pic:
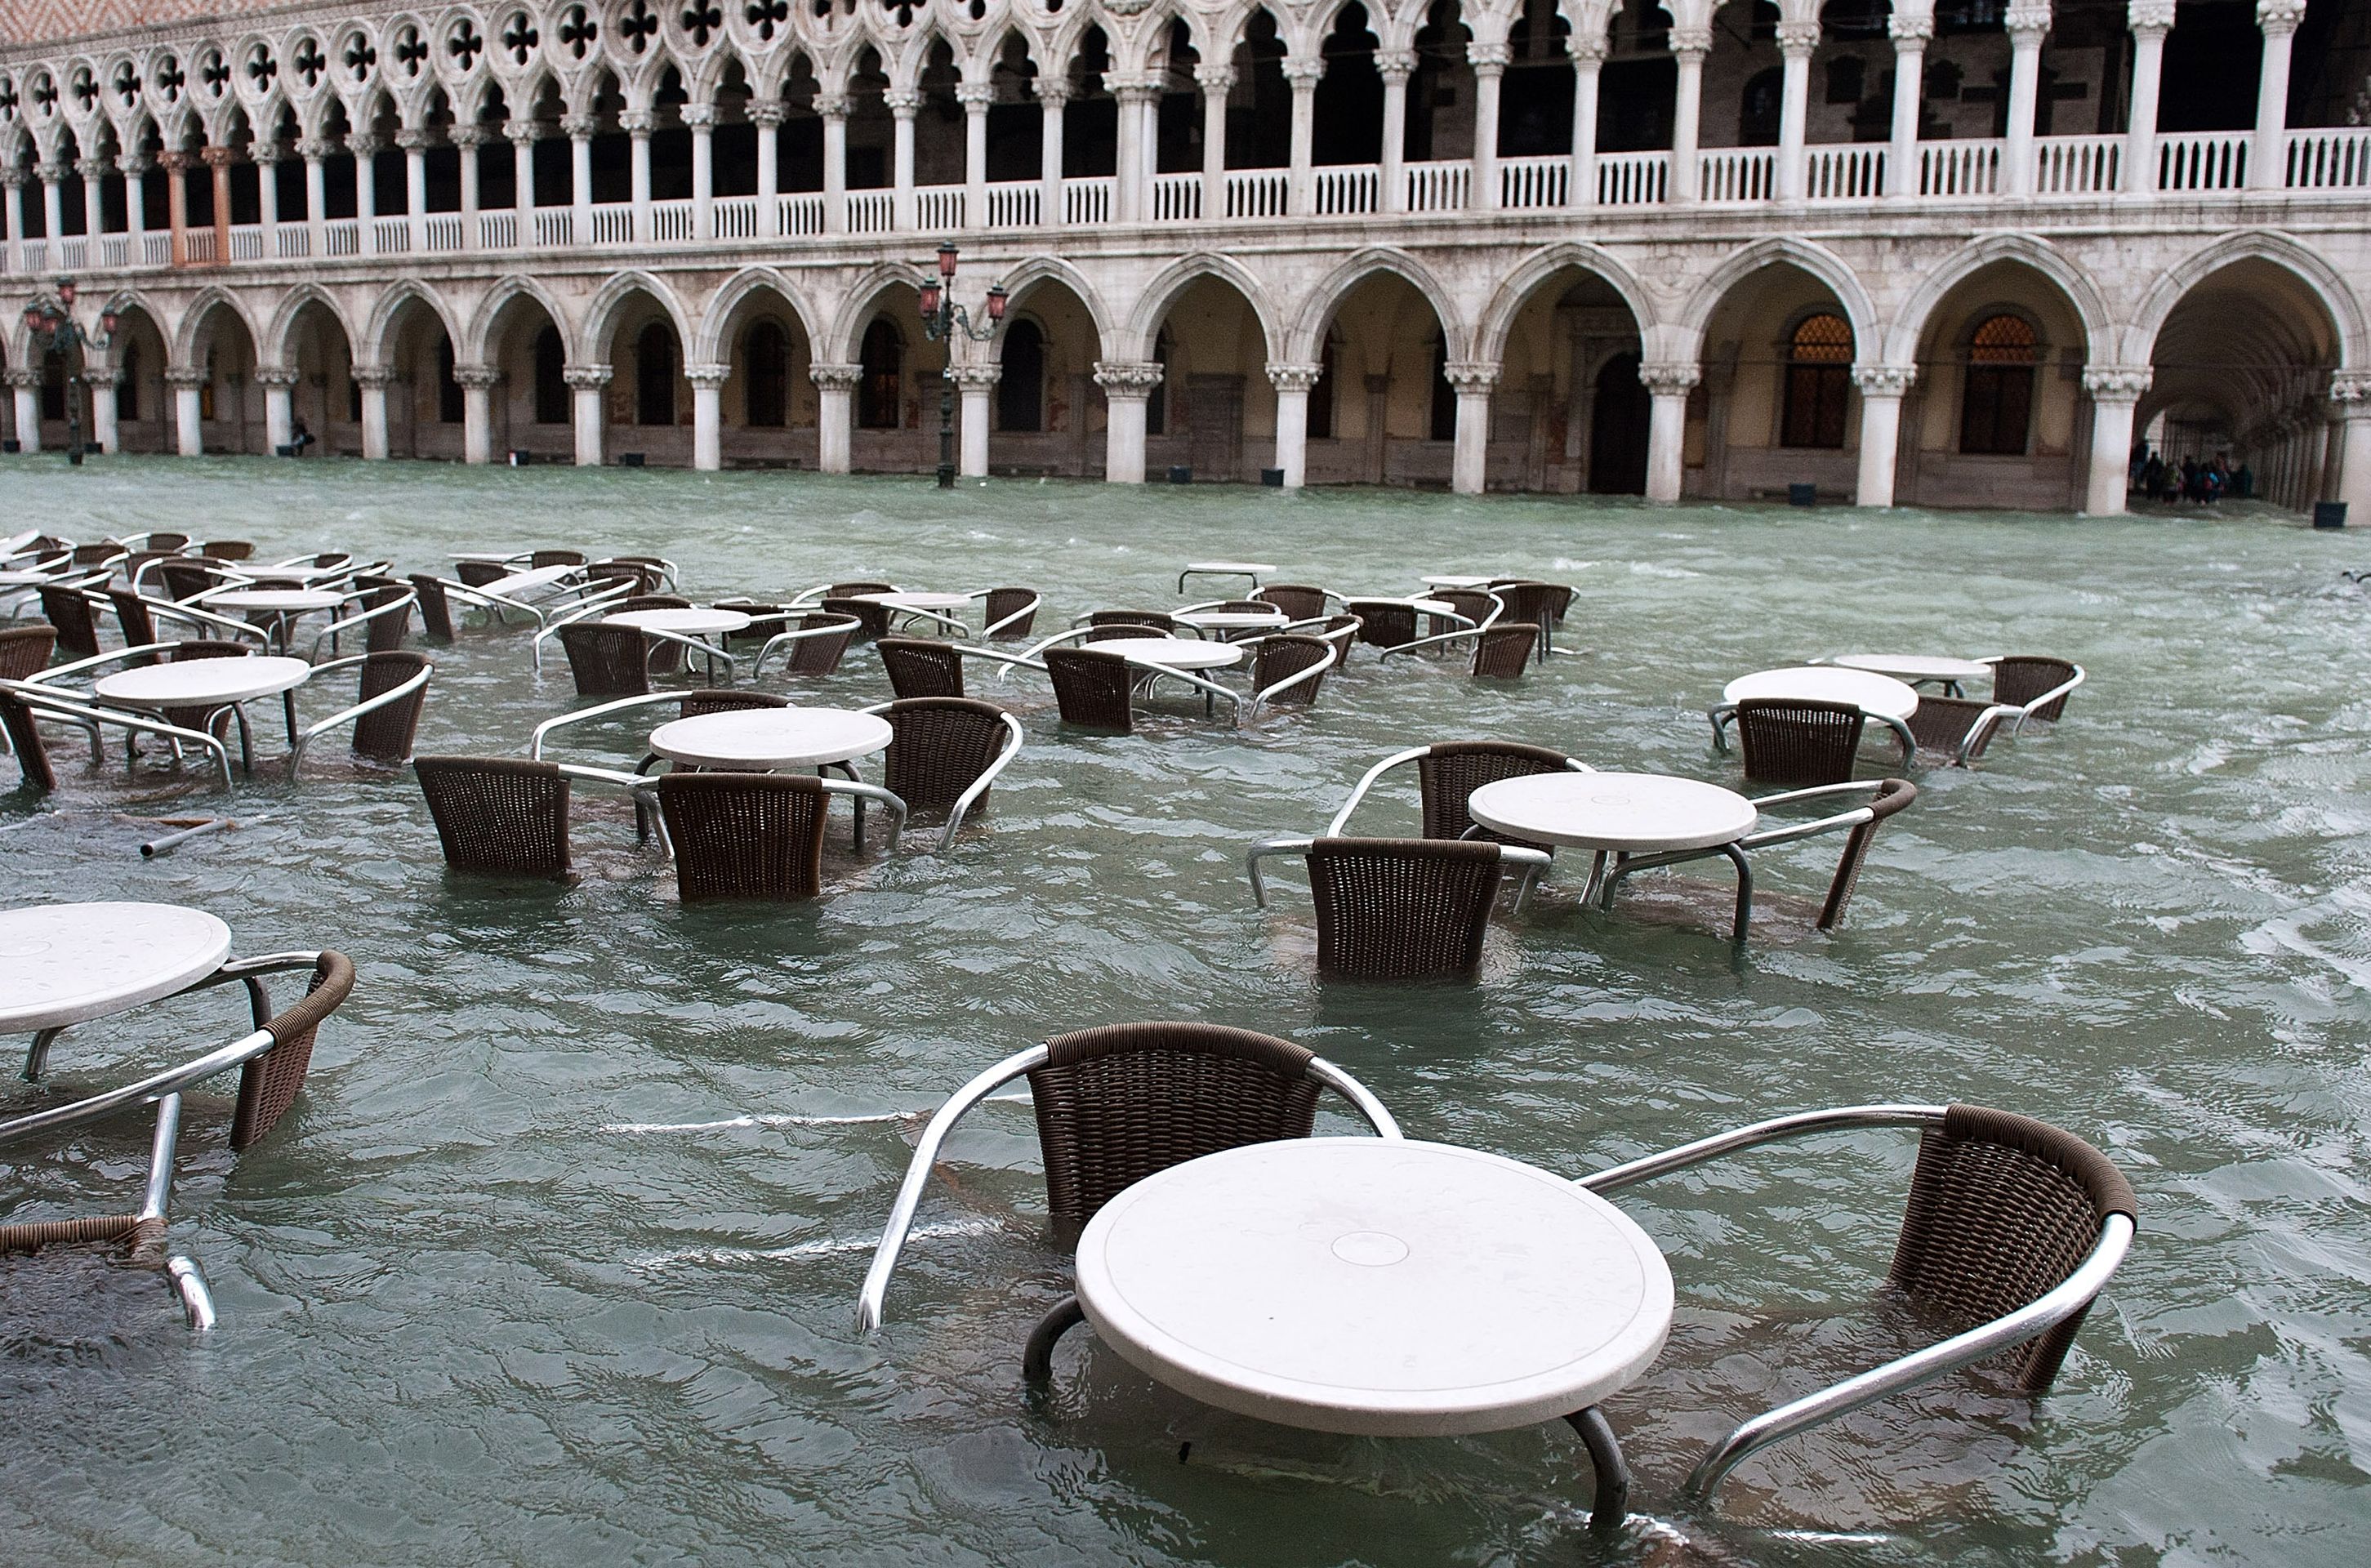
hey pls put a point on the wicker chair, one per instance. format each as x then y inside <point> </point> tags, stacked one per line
<point>1858,824</point>
<point>271,1060</point>
<point>816,645</point>
<point>503,815</point>
<point>1384,624</point>
<point>1120,632</point>
<point>35,772</point>
<point>870,617</point>
<point>1289,667</point>
<point>1502,652</point>
<point>922,667</point>
<point>25,651</point>
<point>72,610</point>
<point>227,549</point>
<point>1116,1104</point>
<point>25,705</point>
<point>1798,741</point>
<point>134,617</point>
<point>2012,1229</point>
<point>539,559</point>
<point>2024,688</point>
<point>1956,729</point>
<point>477,574</point>
<point>435,609</point>
<point>186,579</point>
<point>1092,689</point>
<point>649,602</point>
<point>608,660</point>
<point>2038,684</point>
<point>1160,622</point>
<point>386,711</point>
<point>1299,601</point>
<point>722,700</point>
<point>1400,909</point>
<point>1008,614</point>
<point>944,752</point>
<point>1448,772</point>
<point>745,835</point>
<point>1532,602</point>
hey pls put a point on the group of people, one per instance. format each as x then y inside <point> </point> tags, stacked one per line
<point>2189,480</point>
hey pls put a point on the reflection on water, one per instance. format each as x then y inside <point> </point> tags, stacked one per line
<point>556,1261</point>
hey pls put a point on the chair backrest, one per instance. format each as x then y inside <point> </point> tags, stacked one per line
<point>190,647</point>
<point>502,815</point>
<point>920,666</point>
<point>94,554</point>
<point>435,609</point>
<point>385,634</point>
<point>1242,607</point>
<point>1402,908</point>
<point>131,617</point>
<point>745,835</point>
<point>227,549</point>
<point>871,619</point>
<point>1160,619</point>
<point>166,541</point>
<point>717,700</point>
<point>477,574</point>
<point>386,733</point>
<point>1559,600</point>
<point>186,579</point>
<point>1003,602</point>
<point>25,651</point>
<point>2021,678</point>
<point>536,561</point>
<point>1527,601</point>
<point>1893,795</point>
<point>1340,630</point>
<point>69,611</point>
<point>1120,632</point>
<point>1119,1103</point>
<point>649,602</point>
<point>939,746</point>
<point>1503,653</point>
<point>1299,601</point>
<point>759,628</point>
<point>1941,723</point>
<point>25,740</point>
<point>608,660</point>
<point>2002,1209</point>
<point>646,579</point>
<point>1092,689</point>
<point>1471,602</point>
<point>1449,771</point>
<point>1386,626</point>
<point>268,1083</point>
<point>850,590</point>
<point>821,655</point>
<point>1283,656</point>
<point>1798,743</point>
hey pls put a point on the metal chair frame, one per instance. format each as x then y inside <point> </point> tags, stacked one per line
<point>203,620</point>
<point>645,789</point>
<point>1528,865</point>
<point>989,630</point>
<point>657,639</point>
<point>807,598</point>
<point>870,1300</point>
<point>1441,640</point>
<point>49,703</point>
<point>1722,714</point>
<point>1334,829</point>
<point>1014,737</point>
<point>571,602</point>
<point>2055,1305</point>
<point>839,626</point>
<point>362,619</point>
<point>1268,694</point>
<point>387,699</point>
<point>1145,674</point>
<point>1607,878</point>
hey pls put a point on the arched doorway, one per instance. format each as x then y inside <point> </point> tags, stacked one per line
<point>1394,418</point>
<point>1997,417</point>
<point>1563,360</point>
<point>2242,374</point>
<point>1617,429</point>
<point>1215,411</point>
<point>1776,406</point>
<point>1047,401</point>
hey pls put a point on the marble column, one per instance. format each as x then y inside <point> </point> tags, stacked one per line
<point>1882,387</point>
<point>2029,23</point>
<point>1798,41</point>
<point>1294,383</point>
<point>266,157</point>
<point>2350,400</point>
<point>94,219</point>
<point>707,414</point>
<point>1668,386</point>
<point>279,384</point>
<point>1302,76</point>
<point>1395,66</point>
<point>904,103</point>
<point>53,176</point>
<point>833,107</point>
<point>176,165</point>
<point>1468,467</point>
<point>374,380</point>
<point>1131,189</point>
<point>588,388</point>
<point>638,123</point>
<point>973,384</point>
<point>974,96</point>
<point>1588,62</point>
<point>1127,385</point>
<point>768,117</point>
<point>700,120</point>
<point>467,140</point>
<point>313,150</point>
<point>415,187</point>
<point>188,439</point>
<point>366,149</point>
<point>835,414</point>
<point>12,192</point>
<point>25,384</point>
<point>218,162</point>
<point>2149,20</point>
<point>579,129</point>
<point>2268,156</point>
<point>1911,36</point>
<point>523,135</point>
<point>1053,97</point>
<point>1489,61</point>
<point>1689,47</point>
<point>2115,391</point>
<point>103,379</point>
<point>1216,81</point>
<point>477,383</point>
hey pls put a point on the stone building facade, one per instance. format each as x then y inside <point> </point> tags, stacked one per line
<point>1953,252</point>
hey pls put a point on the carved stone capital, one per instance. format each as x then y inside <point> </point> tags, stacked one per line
<point>975,96</point>
<point>52,173</point>
<point>2026,24</point>
<point>219,157</point>
<point>1471,377</point>
<point>1489,59</point>
<point>362,144</point>
<point>579,127</point>
<point>1884,380</point>
<point>1670,379</point>
<point>522,133</point>
<point>765,114</point>
<point>2116,382</point>
<point>2350,390</point>
<point>2147,16</point>
<point>699,116</point>
<point>975,378</point>
<point>467,138</point>
<point>94,169</point>
<point>1797,41</point>
<point>313,149</point>
<point>835,377</point>
<point>481,376</point>
<point>831,106</point>
<point>1696,40</point>
<point>1392,64</point>
<point>277,375</point>
<point>586,377</point>
<point>411,139</point>
<point>12,176</point>
<point>637,121</point>
<point>708,377</point>
<point>1124,379</point>
<point>25,380</point>
<point>1910,34</point>
<point>1304,75</point>
<point>109,375</point>
<point>374,376</point>
<point>180,377</point>
<point>173,161</point>
<point>132,166</point>
<point>1143,86</point>
<point>1052,92</point>
<point>904,102</point>
<point>1288,377</point>
<point>2278,17</point>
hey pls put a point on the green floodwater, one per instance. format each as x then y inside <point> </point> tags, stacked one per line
<point>555,1261</point>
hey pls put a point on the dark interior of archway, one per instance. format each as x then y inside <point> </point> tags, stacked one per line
<point>2252,342</point>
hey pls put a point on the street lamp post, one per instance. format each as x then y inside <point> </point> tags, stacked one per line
<point>51,323</point>
<point>942,319</point>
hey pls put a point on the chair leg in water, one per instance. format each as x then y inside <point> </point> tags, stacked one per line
<point>1612,1503</point>
<point>1037,1359</point>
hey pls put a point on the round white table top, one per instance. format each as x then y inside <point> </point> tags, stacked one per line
<point>1171,653</point>
<point>494,557</point>
<point>1416,602</point>
<point>1229,620</point>
<point>523,581</point>
<point>691,623</point>
<point>287,601</point>
<point>1375,1286</point>
<point>1449,580</point>
<point>763,739</point>
<point>1864,689</point>
<point>1914,666</point>
<point>63,964</point>
<point>1629,813</point>
<point>303,572</point>
<point>918,601</point>
<point>1247,568</point>
<point>194,682</point>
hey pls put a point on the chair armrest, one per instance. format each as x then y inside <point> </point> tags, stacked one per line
<point>1358,790</point>
<point>368,704</point>
<point>1261,851</point>
<point>978,786</point>
<point>598,710</point>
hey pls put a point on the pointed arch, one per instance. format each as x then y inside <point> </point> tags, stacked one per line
<point>194,316</point>
<point>273,346</point>
<point>1683,339</point>
<point>1153,304</point>
<point>373,346</point>
<point>477,343</point>
<point>860,303</point>
<point>1507,302</point>
<point>1318,306</point>
<point>601,313</point>
<point>1018,281</point>
<point>712,346</point>
<point>2326,282</point>
<point>2027,250</point>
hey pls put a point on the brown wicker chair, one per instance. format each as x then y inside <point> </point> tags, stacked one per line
<point>1385,623</point>
<point>1448,772</point>
<point>1119,1103</point>
<point>2012,1229</point>
<point>1299,601</point>
<point>25,651</point>
<point>34,769</point>
<point>1091,688</point>
<point>649,602</point>
<point>227,549</point>
<point>816,645</point>
<point>745,835</point>
<point>272,1060</point>
<point>133,617</point>
<point>1160,621</point>
<point>1957,729</point>
<point>1008,614</point>
<point>608,660</point>
<point>922,667</point>
<point>477,574</point>
<point>1503,651</point>
<point>186,579</point>
<point>72,611</point>
<point>503,815</point>
<point>1399,908</point>
<point>1289,667</point>
<point>386,712</point>
<point>720,699</point>
<point>1798,741</point>
<point>1531,601</point>
<point>2021,680</point>
<point>1119,631</point>
<point>944,752</point>
<point>870,617</point>
<point>539,559</point>
<point>214,720</point>
<point>1859,825</point>
<point>435,609</point>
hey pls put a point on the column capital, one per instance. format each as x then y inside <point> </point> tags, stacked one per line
<point>1390,62</point>
<point>1054,92</point>
<point>2350,390</point>
<point>478,375</point>
<point>1910,32</point>
<point>467,138</point>
<point>219,157</point>
<point>1884,380</point>
<point>112,375</point>
<point>2279,17</point>
<point>586,377</point>
<point>1799,40</point>
<point>698,116</point>
<point>579,127</point>
<point>1671,377</point>
<point>2149,17</point>
<point>1127,380</point>
<point>1470,377</point>
<point>2117,383</point>
<point>411,139</point>
<point>54,171</point>
<point>380,376</point>
<point>904,102</point>
<point>766,114</point>
<point>1696,40</point>
<point>132,166</point>
<point>1304,73</point>
<point>831,106</point>
<point>1489,59</point>
<point>835,377</point>
<point>522,133</point>
<point>975,378</point>
<point>180,377</point>
<point>708,377</point>
<point>94,169</point>
<point>2027,20</point>
<point>637,121</point>
<point>25,378</point>
<point>277,375</point>
<point>362,144</point>
<point>12,176</point>
<point>1145,87</point>
<point>313,149</point>
<point>1288,377</point>
<point>975,96</point>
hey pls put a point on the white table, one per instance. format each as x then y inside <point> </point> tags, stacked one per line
<point>67,964</point>
<point>685,622</point>
<point>1917,667</point>
<point>519,583</point>
<point>1375,1286</point>
<point>1254,570</point>
<point>1615,813</point>
<point>1416,602</point>
<point>281,603</point>
<point>1881,697</point>
<point>209,684</point>
<point>1231,620</point>
<point>763,740</point>
<point>918,601</point>
<point>1171,653</point>
<point>1450,580</point>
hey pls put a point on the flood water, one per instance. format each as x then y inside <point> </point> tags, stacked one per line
<point>555,1261</point>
